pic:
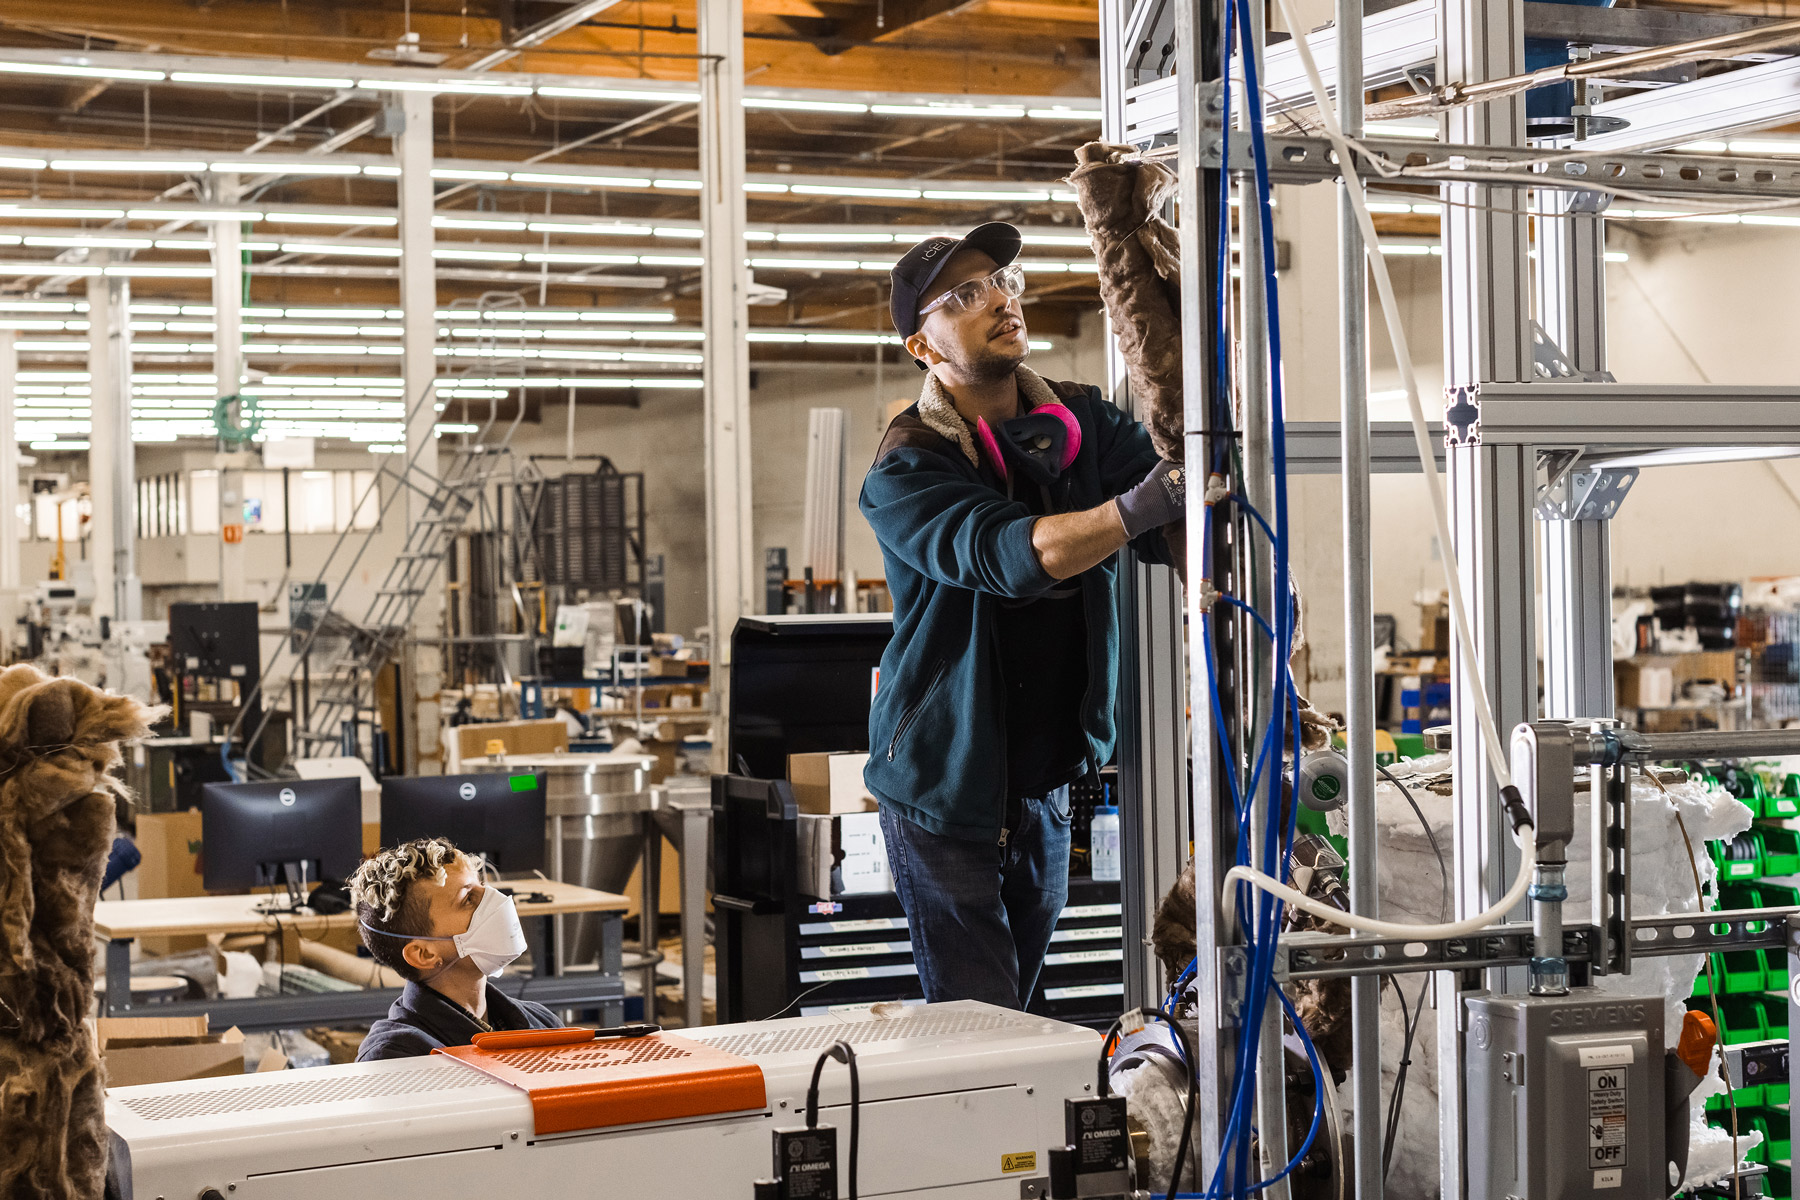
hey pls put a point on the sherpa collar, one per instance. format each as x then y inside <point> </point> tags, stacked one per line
<point>938,411</point>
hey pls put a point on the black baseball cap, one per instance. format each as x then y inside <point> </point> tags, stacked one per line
<point>913,275</point>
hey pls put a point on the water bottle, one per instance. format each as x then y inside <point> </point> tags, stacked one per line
<point>1103,840</point>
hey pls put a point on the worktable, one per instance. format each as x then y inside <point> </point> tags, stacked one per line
<point>120,922</point>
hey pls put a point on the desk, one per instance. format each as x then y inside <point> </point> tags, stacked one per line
<point>122,921</point>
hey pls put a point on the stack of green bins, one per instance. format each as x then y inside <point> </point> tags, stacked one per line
<point>1758,869</point>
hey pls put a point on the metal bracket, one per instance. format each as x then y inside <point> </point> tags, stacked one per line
<point>1233,971</point>
<point>1549,361</point>
<point>1589,494</point>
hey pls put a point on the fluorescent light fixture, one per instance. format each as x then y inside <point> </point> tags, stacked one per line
<point>79,71</point>
<point>1764,146</point>
<point>26,210</point>
<point>552,177</point>
<point>339,248</point>
<point>578,257</point>
<point>59,445</point>
<point>785,238</point>
<point>679,185</point>
<point>1405,248</point>
<point>385,172</point>
<point>1763,219</point>
<point>203,214</point>
<point>47,268</point>
<point>14,163</point>
<point>1055,239</point>
<point>472,255</point>
<point>296,81</point>
<point>767,189</point>
<point>947,110</point>
<point>476,223</point>
<point>288,166</point>
<point>676,231</point>
<point>1037,266</point>
<point>835,189</point>
<point>806,264</point>
<point>1616,256</point>
<point>1066,197</point>
<point>125,166</point>
<point>1058,112</point>
<point>984,194</point>
<point>670,260</point>
<point>90,242</point>
<point>300,218</point>
<point>628,316</point>
<point>183,244</point>
<point>759,235</point>
<point>458,87</point>
<point>464,173</point>
<point>616,93</point>
<point>1388,206</point>
<point>777,102</point>
<point>595,230</point>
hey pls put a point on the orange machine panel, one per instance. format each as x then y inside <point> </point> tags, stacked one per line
<point>578,1082</point>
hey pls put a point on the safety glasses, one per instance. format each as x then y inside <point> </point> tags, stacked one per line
<point>1009,281</point>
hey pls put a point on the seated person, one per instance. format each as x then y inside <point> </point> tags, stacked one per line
<point>422,911</point>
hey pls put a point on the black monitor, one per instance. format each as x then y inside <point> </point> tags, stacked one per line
<point>498,815</point>
<point>295,832</point>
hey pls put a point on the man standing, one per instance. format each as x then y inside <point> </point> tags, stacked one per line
<point>1000,501</point>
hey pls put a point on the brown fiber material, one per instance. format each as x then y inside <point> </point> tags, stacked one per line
<point>1139,259</point>
<point>58,740</point>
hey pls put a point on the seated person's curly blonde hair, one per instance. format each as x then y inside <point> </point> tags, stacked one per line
<point>381,891</point>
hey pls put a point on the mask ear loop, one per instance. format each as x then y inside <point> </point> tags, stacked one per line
<point>990,446</point>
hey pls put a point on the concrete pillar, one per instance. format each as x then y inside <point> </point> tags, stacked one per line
<point>112,467</point>
<point>423,672</point>
<point>725,280</point>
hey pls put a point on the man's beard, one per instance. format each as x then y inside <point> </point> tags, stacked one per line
<point>989,366</point>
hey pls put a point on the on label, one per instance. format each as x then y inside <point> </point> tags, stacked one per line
<point>1607,1118</point>
<point>1025,1160</point>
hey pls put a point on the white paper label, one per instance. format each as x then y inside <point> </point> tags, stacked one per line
<point>1607,1117</point>
<point>852,949</point>
<point>1606,1056</point>
<point>875,923</point>
<point>1612,1177</point>
<point>839,974</point>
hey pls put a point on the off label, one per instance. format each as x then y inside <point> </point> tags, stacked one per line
<point>1606,1117</point>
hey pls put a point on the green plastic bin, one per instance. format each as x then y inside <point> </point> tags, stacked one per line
<point>1780,851</point>
<point>1775,971</point>
<point>1741,859</point>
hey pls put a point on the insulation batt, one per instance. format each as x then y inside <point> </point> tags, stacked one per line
<point>1661,882</point>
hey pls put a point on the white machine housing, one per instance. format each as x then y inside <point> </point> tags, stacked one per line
<point>954,1096</point>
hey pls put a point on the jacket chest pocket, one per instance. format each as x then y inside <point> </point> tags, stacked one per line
<point>912,713</point>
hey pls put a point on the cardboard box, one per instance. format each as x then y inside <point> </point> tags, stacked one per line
<point>519,737</point>
<point>342,767</point>
<point>137,1050</point>
<point>830,783</point>
<point>865,866</point>
<point>670,668</point>
<point>1643,683</point>
<point>851,843</point>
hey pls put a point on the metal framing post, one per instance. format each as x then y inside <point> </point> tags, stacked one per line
<point>1359,622</point>
<point>1577,554</point>
<point>725,284</point>
<point>1152,757</point>
<point>422,665</point>
<point>1198,197</point>
<point>1486,292</point>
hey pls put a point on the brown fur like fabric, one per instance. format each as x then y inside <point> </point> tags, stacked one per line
<point>1139,257</point>
<point>58,740</point>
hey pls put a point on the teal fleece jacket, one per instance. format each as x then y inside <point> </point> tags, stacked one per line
<point>954,544</point>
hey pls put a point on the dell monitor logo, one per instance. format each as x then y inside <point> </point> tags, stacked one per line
<point>286,796</point>
<point>466,791</point>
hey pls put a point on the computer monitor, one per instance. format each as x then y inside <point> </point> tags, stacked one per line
<point>498,815</point>
<point>294,832</point>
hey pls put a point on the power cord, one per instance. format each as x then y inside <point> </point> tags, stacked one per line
<point>841,1051</point>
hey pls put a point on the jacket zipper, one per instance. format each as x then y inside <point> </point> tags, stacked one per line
<point>907,720</point>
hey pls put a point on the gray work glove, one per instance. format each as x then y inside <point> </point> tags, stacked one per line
<point>1161,499</point>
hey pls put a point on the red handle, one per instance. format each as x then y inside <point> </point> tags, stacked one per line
<point>526,1039</point>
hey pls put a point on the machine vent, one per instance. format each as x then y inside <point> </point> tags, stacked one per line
<point>592,1054</point>
<point>857,1033</point>
<point>294,1089</point>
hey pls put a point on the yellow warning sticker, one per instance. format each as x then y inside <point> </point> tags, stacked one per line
<point>1026,1161</point>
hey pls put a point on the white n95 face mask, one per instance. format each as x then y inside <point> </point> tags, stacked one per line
<point>494,938</point>
<point>492,941</point>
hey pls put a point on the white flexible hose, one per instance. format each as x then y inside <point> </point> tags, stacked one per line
<point>1434,487</point>
<point>1527,841</point>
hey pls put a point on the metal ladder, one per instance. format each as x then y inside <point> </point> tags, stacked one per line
<point>355,650</point>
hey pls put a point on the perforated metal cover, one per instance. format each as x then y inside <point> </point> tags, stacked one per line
<point>296,1089</point>
<point>763,1043</point>
<point>588,1054</point>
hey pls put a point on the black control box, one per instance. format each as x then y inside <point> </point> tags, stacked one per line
<point>806,1163</point>
<point>1097,1133</point>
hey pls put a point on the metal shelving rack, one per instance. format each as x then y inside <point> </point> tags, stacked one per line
<point>1531,418</point>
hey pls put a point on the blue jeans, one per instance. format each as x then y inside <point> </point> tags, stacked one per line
<point>981,913</point>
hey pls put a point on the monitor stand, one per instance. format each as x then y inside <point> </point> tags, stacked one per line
<point>293,874</point>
